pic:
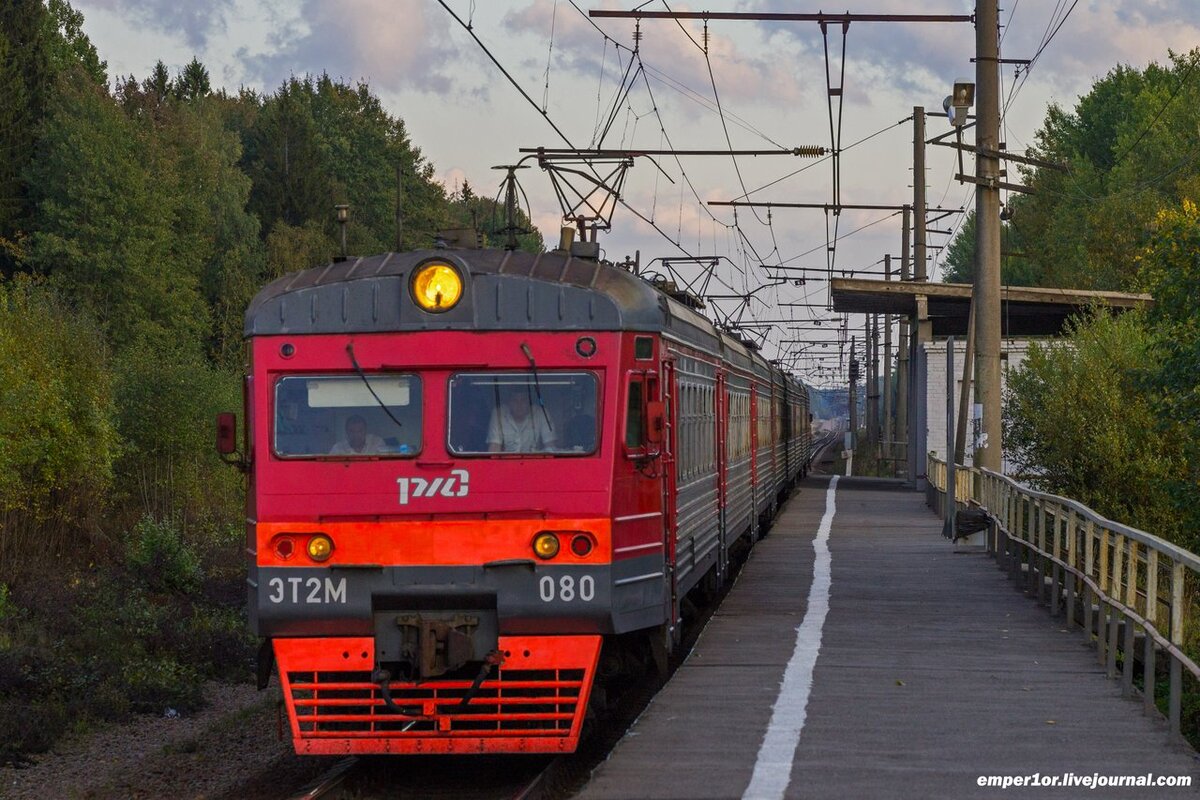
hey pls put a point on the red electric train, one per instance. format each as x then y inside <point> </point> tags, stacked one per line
<point>471,472</point>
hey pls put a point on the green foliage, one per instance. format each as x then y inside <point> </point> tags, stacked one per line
<point>317,142</point>
<point>57,437</point>
<point>162,559</point>
<point>1015,269</point>
<point>26,79</point>
<point>168,395</point>
<point>38,45</point>
<point>1079,424</point>
<point>1124,146</point>
<point>1170,271</point>
<point>104,228</point>
<point>292,248</point>
<point>193,83</point>
<point>69,46</point>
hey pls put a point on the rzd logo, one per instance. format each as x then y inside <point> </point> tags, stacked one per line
<point>454,486</point>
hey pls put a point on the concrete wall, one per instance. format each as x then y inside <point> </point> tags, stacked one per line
<point>1012,354</point>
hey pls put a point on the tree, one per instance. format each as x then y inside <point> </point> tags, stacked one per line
<point>38,45</point>
<point>1015,268</point>
<point>103,231</point>
<point>284,158</point>
<point>1170,270</point>
<point>193,81</point>
<point>56,420</point>
<point>1122,146</point>
<point>26,78</point>
<point>68,46</point>
<point>1078,423</point>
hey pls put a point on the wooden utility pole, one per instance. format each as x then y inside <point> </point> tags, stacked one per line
<point>985,304</point>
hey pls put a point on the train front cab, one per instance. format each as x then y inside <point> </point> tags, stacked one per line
<point>424,568</point>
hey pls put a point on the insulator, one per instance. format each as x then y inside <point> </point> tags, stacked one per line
<point>809,150</point>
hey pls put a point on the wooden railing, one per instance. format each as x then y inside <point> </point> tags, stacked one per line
<point>1124,582</point>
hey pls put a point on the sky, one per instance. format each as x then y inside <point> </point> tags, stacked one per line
<point>760,86</point>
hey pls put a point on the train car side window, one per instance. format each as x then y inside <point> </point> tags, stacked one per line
<point>343,416</point>
<point>643,348</point>
<point>635,428</point>
<point>510,413</point>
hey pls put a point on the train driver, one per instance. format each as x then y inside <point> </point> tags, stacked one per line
<point>358,441</point>
<point>516,428</point>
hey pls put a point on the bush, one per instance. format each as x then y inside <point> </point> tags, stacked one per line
<point>168,395</point>
<point>57,437</point>
<point>156,683</point>
<point>162,560</point>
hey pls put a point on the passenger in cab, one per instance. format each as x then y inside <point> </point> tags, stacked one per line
<point>516,428</point>
<point>358,441</point>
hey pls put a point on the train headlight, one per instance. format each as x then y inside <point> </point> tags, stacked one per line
<point>545,545</point>
<point>437,287</point>
<point>320,547</point>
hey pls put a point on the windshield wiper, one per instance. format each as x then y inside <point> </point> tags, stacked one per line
<point>537,386</point>
<point>367,383</point>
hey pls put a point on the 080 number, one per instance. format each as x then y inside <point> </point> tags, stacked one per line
<point>566,588</point>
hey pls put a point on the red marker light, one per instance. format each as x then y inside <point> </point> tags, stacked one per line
<point>285,547</point>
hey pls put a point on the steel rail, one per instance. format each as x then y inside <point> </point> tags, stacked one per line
<point>328,781</point>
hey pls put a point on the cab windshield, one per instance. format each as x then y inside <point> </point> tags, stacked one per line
<point>347,416</point>
<point>550,413</point>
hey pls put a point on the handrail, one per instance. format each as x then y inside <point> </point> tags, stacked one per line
<point>1062,550</point>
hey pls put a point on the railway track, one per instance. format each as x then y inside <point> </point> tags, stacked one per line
<point>438,778</point>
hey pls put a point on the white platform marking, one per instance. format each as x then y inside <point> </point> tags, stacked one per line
<point>773,768</point>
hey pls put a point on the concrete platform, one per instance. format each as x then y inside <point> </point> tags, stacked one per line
<point>930,671</point>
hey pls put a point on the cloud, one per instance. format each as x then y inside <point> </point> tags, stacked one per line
<point>394,45</point>
<point>923,59</point>
<point>197,22</point>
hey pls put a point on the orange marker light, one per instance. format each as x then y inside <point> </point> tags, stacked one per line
<point>320,547</point>
<point>545,546</point>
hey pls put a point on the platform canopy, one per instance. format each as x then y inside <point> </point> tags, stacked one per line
<point>1024,310</point>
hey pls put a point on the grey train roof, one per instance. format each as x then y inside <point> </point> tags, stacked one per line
<point>502,290</point>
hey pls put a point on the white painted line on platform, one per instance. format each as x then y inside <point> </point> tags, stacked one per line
<point>773,768</point>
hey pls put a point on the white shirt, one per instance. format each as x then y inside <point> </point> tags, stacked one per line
<point>372,446</point>
<point>529,435</point>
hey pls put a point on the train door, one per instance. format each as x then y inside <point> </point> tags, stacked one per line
<point>670,446</point>
<point>722,422</point>
<point>754,465</point>
<point>786,424</point>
